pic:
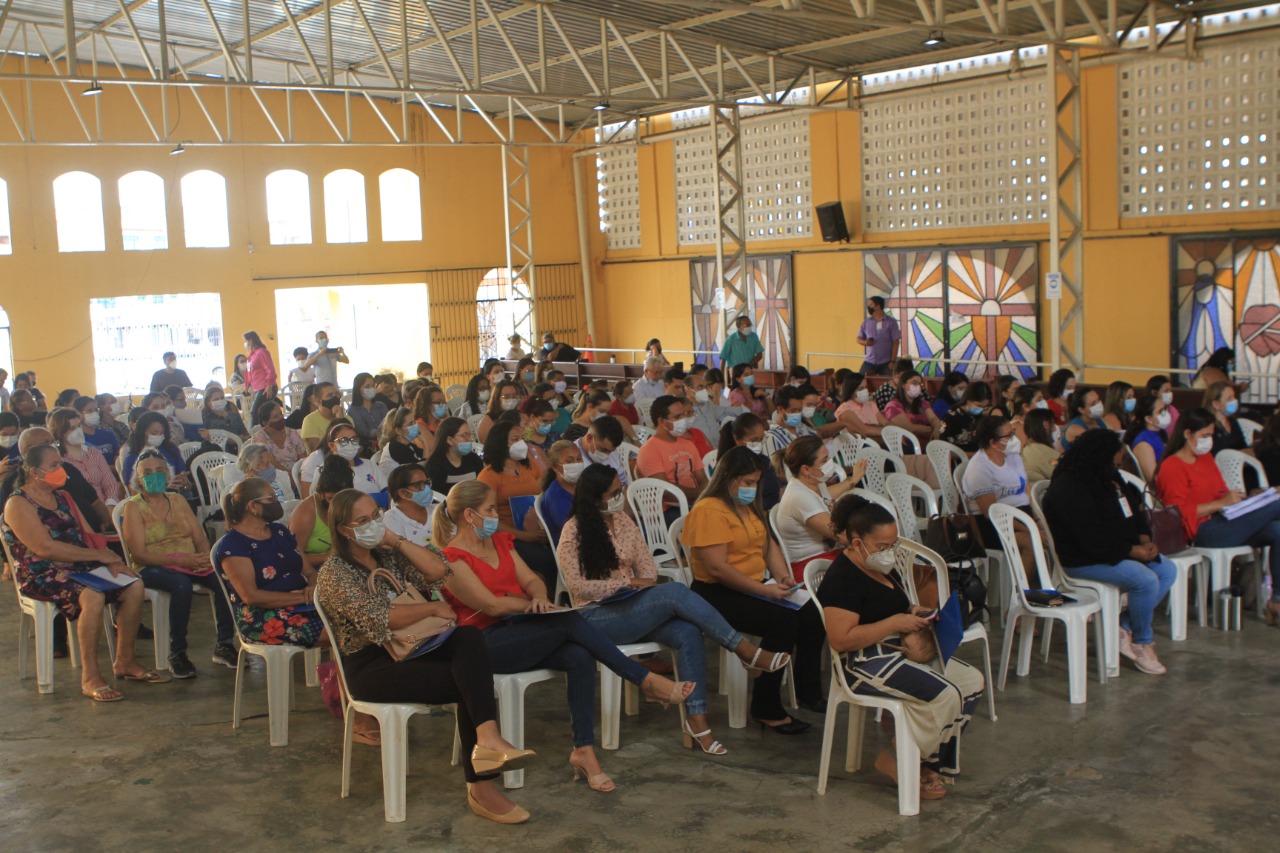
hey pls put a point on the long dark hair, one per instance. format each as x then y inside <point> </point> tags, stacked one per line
<point>1091,458</point>
<point>1038,425</point>
<point>254,340</point>
<point>448,429</point>
<point>738,462</point>
<point>734,431</point>
<point>855,516</point>
<point>336,475</point>
<point>597,557</point>
<point>138,438</point>
<point>495,397</point>
<point>1143,409</point>
<point>1058,381</point>
<point>1270,435</point>
<point>849,387</point>
<point>336,424</point>
<point>1190,421</point>
<point>357,385</point>
<point>472,395</point>
<point>308,399</point>
<point>496,451</point>
<point>913,406</point>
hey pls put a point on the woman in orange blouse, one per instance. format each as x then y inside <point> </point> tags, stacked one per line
<point>511,473</point>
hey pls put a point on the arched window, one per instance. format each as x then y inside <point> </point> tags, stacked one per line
<point>142,216</point>
<point>289,207</point>
<point>6,345</point>
<point>344,213</point>
<point>77,206</point>
<point>204,210</point>
<point>500,312</point>
<point>6,236</point>
<point>401,205</point>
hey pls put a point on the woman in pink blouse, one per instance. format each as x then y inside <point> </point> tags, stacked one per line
<point>64,424</point>
<point>909,410</point>
<point>283,442</point>
<point>859,413</point>
<point>604,558</point>
<point>261,371</point>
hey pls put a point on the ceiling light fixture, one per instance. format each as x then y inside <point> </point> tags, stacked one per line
<point>177,149</point>
<point>935,38</point>
<point>94,89</point>
<point>601,106</point>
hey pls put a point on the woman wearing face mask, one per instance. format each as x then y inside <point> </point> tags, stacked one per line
<point>309,522</point>
<point>23,405</point>
<point>653,349</point>
<point>510,473</point>
<point>909,410</point>
<point>457,672</point>
<point>804,514</point>
<point>954,384</point>
<point>398,437</point>
<point>1161,387</point>
<point>624,403</point>
<point>96,433</point>
<point>868,613</point>
<point>341,441</point>
<point>218,412</point>
<point>747,430</point>
<point>269,585</point>
<point>10,458</point>
<point>559,484</point>
<point>1062,384</point>
<point>540,426</point>
<point>1007,386</point>
<point>411,504</point>
<point>604,554</point>
<point>170,553</point>
<point>733,557</point>
<point>113,414</point>
<point>1220,398</point>
<point>429,410</point>
<point>1041,453</point>
<point>1118,405</point>
<point>562,401</point>
<point>1148,434</point>
<point>454,459</point>
<point>239,370</point>
<point>1085,409</point>
<point>591,406</point>
<point>505,399</point>
<point>284,444</point>
<point>996,474</point>
<point>858,412</point>
<point>960,426</point>
<point>152,430</point>
<point>365,412</point>
<point>255,461</point>
<point>494,370</point>
<point>476,399</point>
<point>526,375</point>
<point>64,424</point>
<point>260,377</point>
<point>744,394</point>
<point>1190,480</point>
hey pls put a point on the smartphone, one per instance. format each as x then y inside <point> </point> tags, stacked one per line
<point>928,614</point>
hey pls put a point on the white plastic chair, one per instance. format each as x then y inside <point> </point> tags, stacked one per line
<point>643,433</point>
<point>510,690</point>
<point>877,462</point>
<point>995,579</point>
<point>289,507</point>
<point>209,487</point>
<point>474,422</point>
<point>643,405</point>
<point>160,600</point>
<point>709,463</point>
<point>907,492</point>
<point>1232,464</point>
<point>42,615</point>
<point>1184,561</point>
<point>187,449</point>
<point>846,446</point>
<point>454,391</point>
<point>561,589</point>
<point>1074,615</point>
<point>295,474</point>
<point>393,728</point>
<point>228,441</point>
<point>943,455</point>
<point>279,662</point>
<point>839,693</point>
<point>895,440</point>
<point>647,497</point>
<point>1250,430</point>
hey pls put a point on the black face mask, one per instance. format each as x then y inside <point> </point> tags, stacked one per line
<point>273,511</point>
<point>871,309</point>
<point>330,402</point>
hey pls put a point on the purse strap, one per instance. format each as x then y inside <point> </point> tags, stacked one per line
<point>85,529</point>
<point>391,579</point>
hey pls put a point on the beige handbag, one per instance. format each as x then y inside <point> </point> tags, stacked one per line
<point>404,641</point>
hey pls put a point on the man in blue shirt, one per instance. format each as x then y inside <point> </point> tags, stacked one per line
<point>742,347</point>
<point>881,336</point>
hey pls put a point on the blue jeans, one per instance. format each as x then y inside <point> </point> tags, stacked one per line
<point>676,616</point>
<point>1258,528</point>
<point>1146,583</point>
<point>179,585</point>
<point>567,643</point>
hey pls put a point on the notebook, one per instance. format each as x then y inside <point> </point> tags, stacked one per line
<point>520,507</point>
<point>102,580</point>
<point>430,645</point>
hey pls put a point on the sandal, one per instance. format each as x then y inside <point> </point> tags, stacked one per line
<point>692,737</point>
<point>371,737</point>
<point>149,676</point>
<point>105,693</point>
<point>599,782</point>
<point>779,661</point>
<point>931,786</point>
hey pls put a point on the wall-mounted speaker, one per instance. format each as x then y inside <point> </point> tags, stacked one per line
<point>831,221</point>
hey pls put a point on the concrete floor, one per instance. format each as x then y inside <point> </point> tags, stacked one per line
<point>1186,761</point>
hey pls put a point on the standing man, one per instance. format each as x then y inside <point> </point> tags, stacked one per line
<point>324,361</point>
<point>742,347</point>
<point>881,336</point>
<point>169,375</point>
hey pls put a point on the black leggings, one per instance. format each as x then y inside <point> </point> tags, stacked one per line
<point>458,671</point>
<point>780,630</point>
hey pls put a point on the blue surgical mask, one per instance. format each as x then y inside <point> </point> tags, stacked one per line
<point>544,429</point>
<point>464,447</point>
<point>748,381</point>
<point>439,410</point>
<point>746,495</point>
<point>423,497</point>
<point>528,376</point>
<point>1129,404</point>
<point>414,429</point>
<point>1233,407</point>
<point>489,527</point>
<point>974,410</point>
<point>794,419</point>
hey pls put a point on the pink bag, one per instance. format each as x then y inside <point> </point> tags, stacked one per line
<point>327,673</point>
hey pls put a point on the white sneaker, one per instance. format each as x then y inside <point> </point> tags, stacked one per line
<point>1144,658</point>
<point>1126,645</point>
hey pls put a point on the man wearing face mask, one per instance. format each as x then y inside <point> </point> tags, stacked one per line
<point>742,346</point>
<point>300,376</point>
<point>324,361</point>
<point>169,375</point>
<point>881,336</point>
<point>706,393</point>
<point>328,406</point>
<point>600,445</point>
<point>670,456</point>
<point>788,420</point>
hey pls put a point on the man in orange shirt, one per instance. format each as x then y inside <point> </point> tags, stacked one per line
<point>669,456</point>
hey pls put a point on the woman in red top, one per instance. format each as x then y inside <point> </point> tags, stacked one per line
<point>1062,383</point>
<point>624,403</point>
<point>492,589</point>
<point>260,373</point>
<point>1190,480</point>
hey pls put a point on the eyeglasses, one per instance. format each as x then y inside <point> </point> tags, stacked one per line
<point>346,442</point>
<point>365,519</point>
<point>417,486</point>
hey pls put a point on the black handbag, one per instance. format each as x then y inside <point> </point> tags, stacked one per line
<point>955,538</point>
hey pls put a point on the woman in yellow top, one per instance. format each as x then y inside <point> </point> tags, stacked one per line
<point>170,552</point>
<point>733,555</point>
<point>511,472</point>
<point>309,522</point>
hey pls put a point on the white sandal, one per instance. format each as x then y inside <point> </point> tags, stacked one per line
<point>716,747</point>
<point>779,661</point>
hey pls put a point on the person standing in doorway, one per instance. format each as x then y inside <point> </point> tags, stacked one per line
<point>881,336</point>
<point>324,361</point>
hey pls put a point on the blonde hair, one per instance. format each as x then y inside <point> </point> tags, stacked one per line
<point>470,494</point>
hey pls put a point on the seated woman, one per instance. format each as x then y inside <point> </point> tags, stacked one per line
<point>457,672</point>
<point>24,406</point>
<point>561,401</point>
<point>960,426</point>
<point>96,432</point>
<point>1084,410</point>
<point>341,440</point>
<point>476,398</point>
<point>869,617</point>
<point>747,430</point>
<point>995,474</point>
<point>591,405</point>
<point>559,483</point>
<point>653,349</point>
<point>804,514</point>
<point>64,425</point>
<point>282,441</point>
<point>398,438</point>
<point>490,582</point>
<point>1220,398</point>
<point>309,522</point>
<point>217,412</point>
<point>300,411</point>
<point>429,411</point>
<point>152,430</point>
<point>1161,387</point>
<point>1062,384</point>
<point>526,375</point>
<point>604,553</point>
<point>954,384</point>
<point>269,585</point>
<point>624,403</point>
<point>744,394</point>
<point>858,413</point>
<point>453,459</point>
<point>1216,368</point>
<point>1006,389</point>
<point>44,533</point>
<point>255,461</point>
<point>510,473</point>
<point>540,416</point>
<point>1118,405</point>
<point>1190,480</point>
<point>1040,454</point>
<point>365,412</point>
<point>170,552</point>
<point>505,399</point>
<point>733,554</point>
<point>1100,535</point>
<point>1148,434</point>
<point>411,504</point>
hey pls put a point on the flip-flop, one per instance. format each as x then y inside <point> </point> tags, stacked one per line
<point>369,738</point>
<point>148,677</point>
<point>105,693</point>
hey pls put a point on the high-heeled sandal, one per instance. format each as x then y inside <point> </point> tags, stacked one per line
<point>779,661</point>
<point>675,698</point>
<point>691,737</point>
<point>599,782</point>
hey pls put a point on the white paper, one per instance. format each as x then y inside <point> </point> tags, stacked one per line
<point>105,573</point>
<point>1248,505</point>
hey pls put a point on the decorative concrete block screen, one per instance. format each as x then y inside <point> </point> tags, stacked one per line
<point>618,187</point>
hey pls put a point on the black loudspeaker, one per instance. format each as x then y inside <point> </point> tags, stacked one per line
<point>831,220</point>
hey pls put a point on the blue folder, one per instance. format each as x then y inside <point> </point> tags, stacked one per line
<point>520,507</point>
<point>949,628</point>
<point>431,645</point>
<point>96,583</point>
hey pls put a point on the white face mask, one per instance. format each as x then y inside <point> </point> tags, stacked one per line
<point>829,469</point>
<point>862,395</point>
<point>75,437</point>
<point>680,427</point>
<point>167,411</point>
<point>519,451</point>
<point>615,504</point>
<point>1203,446</point>
<point>483,396</point>
<point>1095,411</point>
<point>218,405</point>
<point>560,386</point>
<point>599,456</point>
<point>368,393</point>
<point>702,396</point>
<point>92,419</point>
<point>881,561</point>
<point>756,447</point>
<point>1167,398</point>
<point>573,470</point>
<point>370,534</point>
<point>1014,447</point>
<point>1042,404</point>
<point>348,451</point>
<point>1163,420</point>
<point>913,391</point>
<point>809,411</point>
<point>508,405</point>
<point>301,362</point>
<point>631,400</point>
<point>155,440</point>
<point>1057,436</point>
<point>8,441</point>
<point>1067,392</point>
